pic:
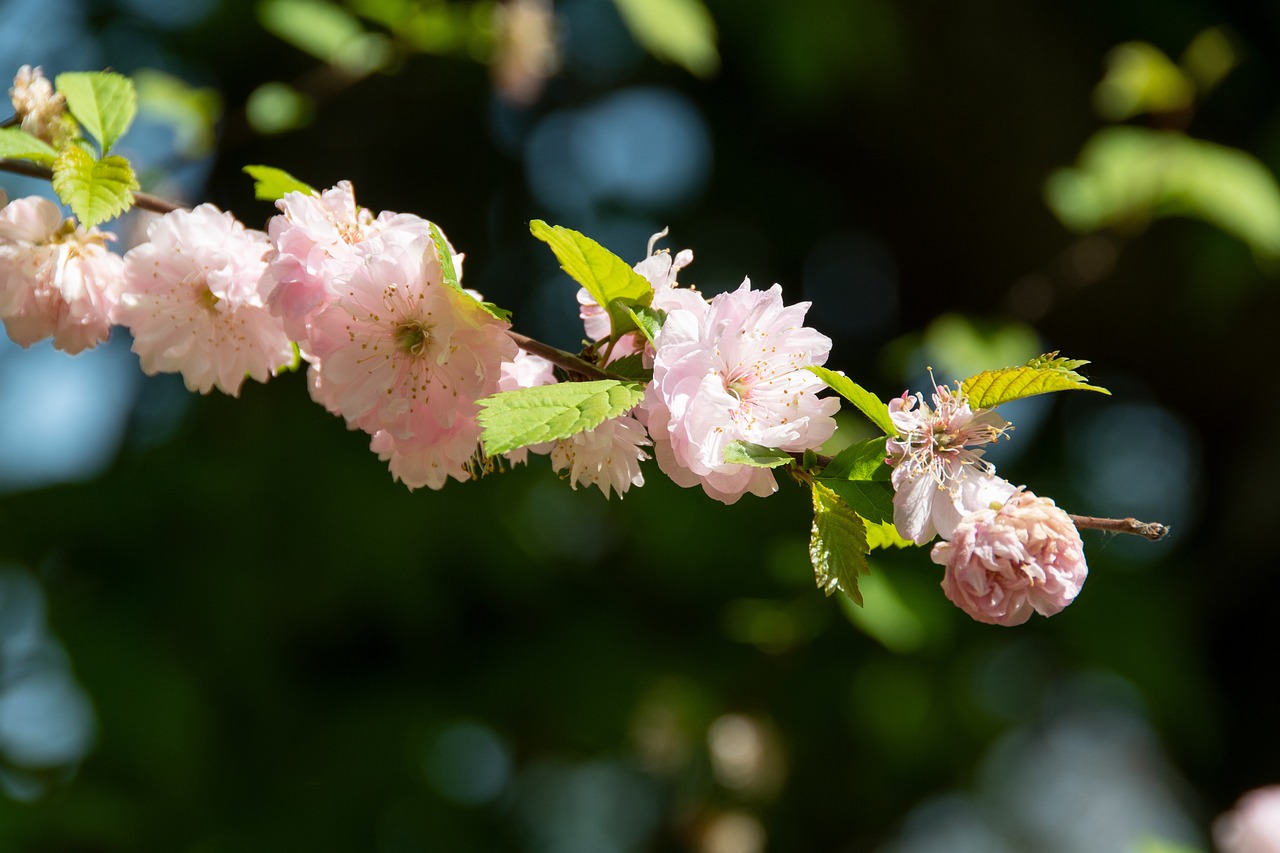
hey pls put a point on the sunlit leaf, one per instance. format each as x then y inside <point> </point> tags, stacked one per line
<point>514,419</point>
<point>883,534</point>
<point>610,280</point>
<point>103,102</point>
<point>1041,375</point>
<point>863,460</point>
<point>95,190</point>
<point>277,107</point>
<point>326,31</point>
<point>837,544</point>
<point>681,32</point>
<point>755,455</point>
<point>648,320</point>
<point>270,183</point>
<point>1140,78</point>
<point>16,142</point>
<point>1127,176</point>
<point>866,402</point>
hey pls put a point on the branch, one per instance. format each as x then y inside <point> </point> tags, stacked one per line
<point>1152,531</point>
<point>155,204</point>
<point>560,358</point>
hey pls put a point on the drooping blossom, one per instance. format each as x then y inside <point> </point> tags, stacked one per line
<point>733,370</point>
<point>405,357</point>
<point>1252,825</point>
<point>41,110</point>
<point>607,456</point>
<point>1001,564</point>
<point>316,239</point>
<point>191,302</point>
<point>56,278</point>
<point>939,475</point>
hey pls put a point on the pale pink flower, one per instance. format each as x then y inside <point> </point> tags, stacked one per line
<point>40,109</point>
<point>432,454</point>
<point>607,456</point>
<point>316,239</point>
<point>733,370</point>
<point>1003,563</point>
<point>526,370</point>
<point>399,350</point>
<point>939,475</point>
<point>56,278</point>
<point>1253,825</point>
<point>191,302</point>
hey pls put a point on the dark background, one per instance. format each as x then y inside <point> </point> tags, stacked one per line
<point>249,638</point>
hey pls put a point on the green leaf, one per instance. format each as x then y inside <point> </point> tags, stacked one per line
<point>861,461</point>
<point>866,402</point>
<point>95,190</point>
<point>755,455</point>
<point>328,32</point>
<point>871,499</point>
<point>271,184</point>
<point>630,367</point>
<point>1140,78</point>
<point>103,102</point>
<point>445,254</point>
<point>514,419</point>
<point>648,320</point>
<point>16,142</point>
<point>677,31</point>
<point>605,275</point>
<point>1041,375</point>
<point>837,544</point>
<point>276,107</point>
<point>883,534</point>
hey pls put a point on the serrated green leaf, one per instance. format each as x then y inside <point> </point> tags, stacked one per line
<point>883,534</point>
<point>606,276</point>
<point>514,419</point>
<point>103,102</point>
<point>648,320</point>
<point>677,31</point>
<point>1041,375</point>
<point>16,142</point>
<point>271,184</point>
<point>95,190</point>
<point>861,461</point>
<point>755,455</point>
<point>871,499</point>
<point>837,544</point>
<point>866,402</point>
<point>630,367</point>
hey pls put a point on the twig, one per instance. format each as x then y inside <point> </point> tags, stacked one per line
<point>560,358</point>
<point>155,204</point>
<point>1152,531</point>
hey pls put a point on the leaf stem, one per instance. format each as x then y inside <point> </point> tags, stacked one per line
<point>155,204</point>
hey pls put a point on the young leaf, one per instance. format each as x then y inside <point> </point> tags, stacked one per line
<point>648,320</point>
<point>882,534</point>
<point>270,183</point>
<point>677,31</point>
<point>16,142</point>
<point>102,101</point>
<point>746,453</point>
<point>861,461</point>
<point>837,544</point>
<point>95,190</point>
<point>1040,375</point>
<point>514,419</point>
<point>871,499</point>
<point>605,275</point>
<point>866,402</point>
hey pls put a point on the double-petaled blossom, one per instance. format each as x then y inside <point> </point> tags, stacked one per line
<point>405,356</point>
<point>607,456</point>
<point>730,370</point>
<point>1002,564</point>
<point>40,109</point>
<point>939,475</point>
<point>1252,825</point>
<point>56,278</point>
<point>191,302</point>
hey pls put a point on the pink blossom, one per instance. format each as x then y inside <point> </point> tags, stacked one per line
<point>733,370</point>
<point>399,350</point>
<point>41,110</point>
<point>1003,563</point>
<point>431,454</point>
<point>56,278</point>
<point>1253,825</point>
<point>191,302</point>
<point>316,239</point>
<point>526,370</point>
<point>939,474</point>
<point>607,456</point>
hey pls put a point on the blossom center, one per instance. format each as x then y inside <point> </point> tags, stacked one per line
<point>412,338</point>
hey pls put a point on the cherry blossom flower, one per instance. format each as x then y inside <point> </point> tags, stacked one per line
<point>939,474</point>
<point>1253,825</point>
<point>607,456</point>
<point>733,370</point>
<point>191,302</point>
<point>432,453</point>
<point>56,278</point>
<point>1001,564</point>
<point>399,350</point>
<point>41,110</point>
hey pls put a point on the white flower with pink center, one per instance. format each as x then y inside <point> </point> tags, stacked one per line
<point>1002,564</point>
<point>56,279</point>
<point>733,370</point>
<point>1253,825</point>
<point>939,474</point>
<point>191,302</point>
<point>399,350</point>
<point>316,239</point>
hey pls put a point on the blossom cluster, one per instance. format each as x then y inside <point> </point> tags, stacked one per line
<point>396,347</point>
<point>1006,552</point>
